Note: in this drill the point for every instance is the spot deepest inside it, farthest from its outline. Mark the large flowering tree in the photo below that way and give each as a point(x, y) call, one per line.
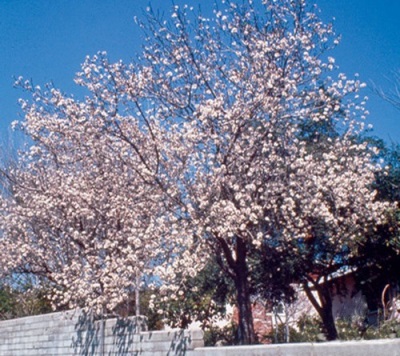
point(194, 149)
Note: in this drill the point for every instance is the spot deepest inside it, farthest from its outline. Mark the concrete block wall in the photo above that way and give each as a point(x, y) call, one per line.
point(73, 333)
point(388, 347)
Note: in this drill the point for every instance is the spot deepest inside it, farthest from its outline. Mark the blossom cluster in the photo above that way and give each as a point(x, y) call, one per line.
point(196, 145)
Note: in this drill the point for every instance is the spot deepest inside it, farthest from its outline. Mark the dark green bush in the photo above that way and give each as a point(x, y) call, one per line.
point(309, 329)
point(215, 335)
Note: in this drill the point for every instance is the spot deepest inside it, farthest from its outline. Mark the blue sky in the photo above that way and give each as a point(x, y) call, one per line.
point(47, 40)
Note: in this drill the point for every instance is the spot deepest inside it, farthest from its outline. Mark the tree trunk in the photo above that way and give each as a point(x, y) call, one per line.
point(329, 324)
point(246, 333)
point(238, 271)
point(326, 311)
point(324, 308)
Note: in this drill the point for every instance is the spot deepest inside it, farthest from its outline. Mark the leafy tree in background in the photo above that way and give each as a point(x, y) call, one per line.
point(381, 251)
point(194, 150)
point(6, 303)
point(378, 258)
point(23, 300)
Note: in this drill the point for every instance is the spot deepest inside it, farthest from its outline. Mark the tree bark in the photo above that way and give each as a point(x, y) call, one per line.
point(246, 334)
point(326, 312)
point(237, 269)
point(329, 324)
point(324, 308)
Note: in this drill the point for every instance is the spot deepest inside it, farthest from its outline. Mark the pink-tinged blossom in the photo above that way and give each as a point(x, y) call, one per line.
point(193, 150)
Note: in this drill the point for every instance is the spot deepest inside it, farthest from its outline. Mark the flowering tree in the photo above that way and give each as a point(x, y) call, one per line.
point(80, 212)
point(194, 149)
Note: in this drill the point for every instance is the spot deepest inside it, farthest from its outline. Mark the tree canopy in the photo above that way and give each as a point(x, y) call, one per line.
point(194, 149)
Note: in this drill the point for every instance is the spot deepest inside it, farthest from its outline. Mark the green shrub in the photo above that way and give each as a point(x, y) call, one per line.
point(354, 331)
point(25, 301)
point(309, 329)
point(215, 335)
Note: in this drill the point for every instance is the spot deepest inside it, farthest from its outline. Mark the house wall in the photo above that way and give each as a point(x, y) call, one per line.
point(348, 302)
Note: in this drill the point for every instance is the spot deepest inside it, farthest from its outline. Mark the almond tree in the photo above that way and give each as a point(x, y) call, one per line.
point(194, 149)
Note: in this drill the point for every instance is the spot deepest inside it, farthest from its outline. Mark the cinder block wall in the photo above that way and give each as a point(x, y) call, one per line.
point(73, 333)
point(388, 347)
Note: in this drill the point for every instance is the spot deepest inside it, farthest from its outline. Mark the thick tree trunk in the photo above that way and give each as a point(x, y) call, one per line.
point(246, 334)
point(238, 271)
point(326, 313)
point(329, 323)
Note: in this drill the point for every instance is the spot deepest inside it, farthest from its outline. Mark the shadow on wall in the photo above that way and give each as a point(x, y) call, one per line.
point(179, 343)
point(94, 336)
point(128, 336)
point(87, 340)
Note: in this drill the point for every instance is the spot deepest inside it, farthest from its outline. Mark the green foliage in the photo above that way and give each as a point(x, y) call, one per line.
point(378, 258)
point(22, 301)
point(6, 303)
point(349, 331)
point(128, 308)
point(388, 329)
point(278, 335)
point(273, 268)
point(388, 181)
point(154, 319)
point(201, 298)
point(352, 331)
point(220, 336)
point(310, 329)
